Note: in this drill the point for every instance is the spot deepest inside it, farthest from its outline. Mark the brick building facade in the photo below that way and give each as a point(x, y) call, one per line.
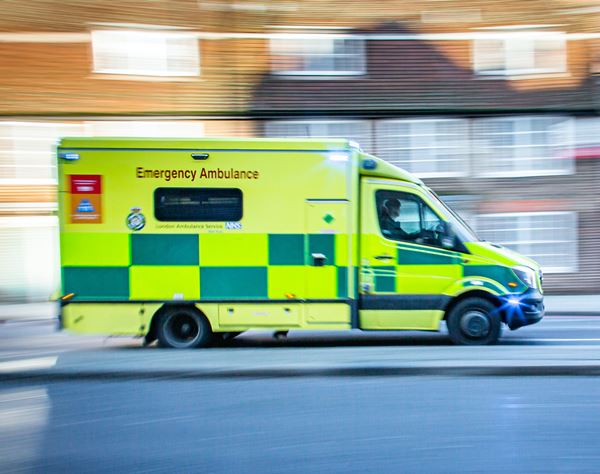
point(495, 104)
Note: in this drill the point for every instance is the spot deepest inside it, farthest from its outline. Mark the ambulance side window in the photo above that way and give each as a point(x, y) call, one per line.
point(198, 204)
point(404, 216)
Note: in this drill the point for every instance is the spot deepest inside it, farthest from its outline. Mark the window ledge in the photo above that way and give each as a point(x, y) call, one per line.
point(519, 76)
point(28, 182)
point(439, 175)
point(525, 174)
point(553, 270)
point(135, 77)
point(323, 75)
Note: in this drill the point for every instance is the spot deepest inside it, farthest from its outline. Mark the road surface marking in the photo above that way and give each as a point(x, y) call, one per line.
point(27, 364)
point(562, 339)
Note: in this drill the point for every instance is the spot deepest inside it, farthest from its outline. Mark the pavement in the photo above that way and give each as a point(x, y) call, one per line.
point(38, 311)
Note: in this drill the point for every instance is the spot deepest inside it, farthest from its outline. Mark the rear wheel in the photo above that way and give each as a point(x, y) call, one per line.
point(474, 321)
point(183, 328)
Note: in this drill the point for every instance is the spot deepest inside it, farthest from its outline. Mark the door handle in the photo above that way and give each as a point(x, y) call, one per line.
point(383, 257)
point(318, 259)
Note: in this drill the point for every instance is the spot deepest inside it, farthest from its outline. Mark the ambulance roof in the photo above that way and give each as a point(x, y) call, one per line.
point(369, 165)
point(293, 144)
point(376, 167)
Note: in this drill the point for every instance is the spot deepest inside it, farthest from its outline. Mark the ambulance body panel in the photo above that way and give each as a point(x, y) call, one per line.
point(262, 233)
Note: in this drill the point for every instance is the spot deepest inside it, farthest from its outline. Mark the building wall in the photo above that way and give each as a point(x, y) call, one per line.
point(413, 95)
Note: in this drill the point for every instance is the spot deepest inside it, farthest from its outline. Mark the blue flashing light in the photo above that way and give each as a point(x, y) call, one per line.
point(513, 307)
point(369, 164)
point(69, 156)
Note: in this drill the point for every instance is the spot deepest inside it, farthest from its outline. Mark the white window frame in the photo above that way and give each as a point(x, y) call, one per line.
point(484, 153)
point(142, 128)
point(587, 131)
point(35, 253)
point(516, 47)
point(277, 48)
point(364, 144)
point(532, 241)
point(465, 146)
point(20, 155)
point(129, 45)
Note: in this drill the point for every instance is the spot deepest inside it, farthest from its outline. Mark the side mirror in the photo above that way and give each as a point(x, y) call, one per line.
point(447, 237)
point(448, 242)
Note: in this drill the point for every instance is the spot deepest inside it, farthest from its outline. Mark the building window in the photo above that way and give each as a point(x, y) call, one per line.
point(587, 132)
point(523, 146)
point(317, 55)
point(27, 151)
point(550, 238)
point(520, 53)
point(149, 128)
point(198, 204)
point(29, 256)
point(427, 148)
point(145, 53)
point(357, 130)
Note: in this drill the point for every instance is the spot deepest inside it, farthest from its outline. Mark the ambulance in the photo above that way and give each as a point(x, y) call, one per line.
point(194, 241)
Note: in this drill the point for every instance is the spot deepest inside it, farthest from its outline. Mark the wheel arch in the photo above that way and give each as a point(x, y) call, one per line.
point(473, 294)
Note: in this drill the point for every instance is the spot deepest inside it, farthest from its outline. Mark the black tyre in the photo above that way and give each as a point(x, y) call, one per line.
point(183, 327)
point(474, 321)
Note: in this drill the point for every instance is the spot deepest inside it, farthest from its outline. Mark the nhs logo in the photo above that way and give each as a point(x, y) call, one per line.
point(233, 225)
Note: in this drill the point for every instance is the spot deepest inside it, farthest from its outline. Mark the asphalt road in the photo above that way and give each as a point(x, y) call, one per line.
point(287, 423)
point(22, 338)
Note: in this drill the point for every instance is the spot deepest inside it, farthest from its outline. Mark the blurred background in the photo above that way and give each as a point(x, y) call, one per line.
point(495, 104)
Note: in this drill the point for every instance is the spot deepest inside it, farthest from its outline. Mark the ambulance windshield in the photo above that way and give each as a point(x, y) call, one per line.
point(459, 227)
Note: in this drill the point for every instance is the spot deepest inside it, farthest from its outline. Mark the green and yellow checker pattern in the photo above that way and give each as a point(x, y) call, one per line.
point(426, 270)
point(118, 266)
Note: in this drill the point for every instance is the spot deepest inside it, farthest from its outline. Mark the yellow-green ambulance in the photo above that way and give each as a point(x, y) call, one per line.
point(190, 241)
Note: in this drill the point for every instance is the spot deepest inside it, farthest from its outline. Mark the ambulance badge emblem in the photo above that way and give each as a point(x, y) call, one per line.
point(136, 220)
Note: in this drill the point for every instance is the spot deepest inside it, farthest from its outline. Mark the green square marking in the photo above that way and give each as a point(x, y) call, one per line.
point(385, 279)
point(164, 249)
point(322, 243)
point(328, 218)
point(286, 249)
point(96, 283)
point(497, 273)
point(233, 283)
point(342, 282)
point(424, 257)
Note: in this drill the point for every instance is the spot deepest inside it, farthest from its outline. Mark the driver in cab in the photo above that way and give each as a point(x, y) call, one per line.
point(390, 221)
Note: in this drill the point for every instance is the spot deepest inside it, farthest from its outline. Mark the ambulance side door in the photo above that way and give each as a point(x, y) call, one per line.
point(404, 268)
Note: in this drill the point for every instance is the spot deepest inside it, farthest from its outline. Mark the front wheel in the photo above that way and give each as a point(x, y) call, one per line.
point(183, 328)
point(474, 321)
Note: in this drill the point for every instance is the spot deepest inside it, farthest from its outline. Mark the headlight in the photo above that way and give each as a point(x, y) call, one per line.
point(526, 275)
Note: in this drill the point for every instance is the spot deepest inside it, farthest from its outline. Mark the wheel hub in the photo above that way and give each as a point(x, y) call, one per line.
point(475, 324)
point(181, 328)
